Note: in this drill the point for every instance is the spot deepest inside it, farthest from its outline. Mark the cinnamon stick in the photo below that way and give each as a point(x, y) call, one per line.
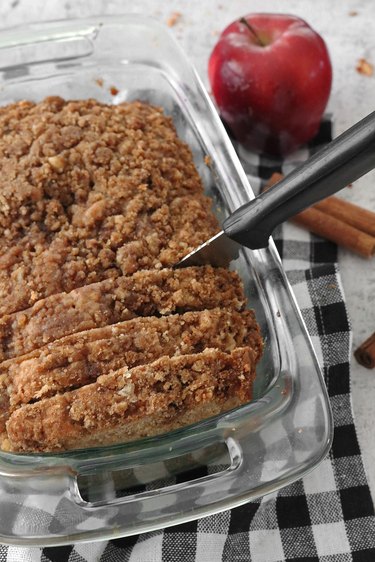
point(335, 230)
point(365, 354)
point(337, 220)
point(348, 212)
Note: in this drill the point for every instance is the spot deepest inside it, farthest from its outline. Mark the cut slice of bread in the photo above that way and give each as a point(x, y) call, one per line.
point(130, 404)
point(145, 293)
point(81, 360)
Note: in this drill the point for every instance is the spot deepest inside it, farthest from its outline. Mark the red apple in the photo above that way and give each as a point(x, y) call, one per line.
point(271, 77)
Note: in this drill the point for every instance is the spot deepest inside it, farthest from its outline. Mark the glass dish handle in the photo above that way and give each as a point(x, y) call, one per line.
point(129, 515)
point(53, 511)
point(184, 501)
point(232, 448)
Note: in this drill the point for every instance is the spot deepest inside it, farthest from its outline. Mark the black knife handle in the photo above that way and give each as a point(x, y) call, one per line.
point(342, 161)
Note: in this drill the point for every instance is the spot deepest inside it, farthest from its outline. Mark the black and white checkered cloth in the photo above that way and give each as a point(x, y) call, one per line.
point(327, 516)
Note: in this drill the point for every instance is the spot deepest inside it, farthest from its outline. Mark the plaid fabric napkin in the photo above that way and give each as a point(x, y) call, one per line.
point(327, 516)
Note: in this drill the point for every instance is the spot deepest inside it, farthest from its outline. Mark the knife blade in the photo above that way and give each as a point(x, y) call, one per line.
point(218, 251)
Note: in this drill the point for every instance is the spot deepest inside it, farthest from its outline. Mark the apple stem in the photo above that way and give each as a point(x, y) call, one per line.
point(252, 30)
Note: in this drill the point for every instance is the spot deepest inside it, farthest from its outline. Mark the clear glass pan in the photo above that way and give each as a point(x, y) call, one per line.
point(276, 439)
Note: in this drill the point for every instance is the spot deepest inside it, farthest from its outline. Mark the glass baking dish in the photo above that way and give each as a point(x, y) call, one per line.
point(283, 433)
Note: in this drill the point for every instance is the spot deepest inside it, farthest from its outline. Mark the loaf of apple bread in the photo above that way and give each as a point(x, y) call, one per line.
point(102, 341)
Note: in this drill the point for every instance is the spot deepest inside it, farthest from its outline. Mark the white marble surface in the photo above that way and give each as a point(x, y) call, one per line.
point(353, 96)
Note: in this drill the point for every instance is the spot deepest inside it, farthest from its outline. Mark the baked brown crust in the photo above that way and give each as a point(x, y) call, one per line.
point(131, 404)
point(145, 293)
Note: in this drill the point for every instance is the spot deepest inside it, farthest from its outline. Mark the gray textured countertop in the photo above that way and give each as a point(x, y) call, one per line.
point(348, 38)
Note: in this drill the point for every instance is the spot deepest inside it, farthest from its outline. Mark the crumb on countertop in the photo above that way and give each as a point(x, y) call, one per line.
point(173, 19)
point(364, 67)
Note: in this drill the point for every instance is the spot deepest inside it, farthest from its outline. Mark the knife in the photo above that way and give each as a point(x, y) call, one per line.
point(342, 161)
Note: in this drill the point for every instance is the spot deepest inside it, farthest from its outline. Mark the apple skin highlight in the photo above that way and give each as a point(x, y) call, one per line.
point(271, 82)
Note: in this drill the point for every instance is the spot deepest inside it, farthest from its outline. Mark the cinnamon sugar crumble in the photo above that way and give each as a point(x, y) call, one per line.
point(90, 191)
